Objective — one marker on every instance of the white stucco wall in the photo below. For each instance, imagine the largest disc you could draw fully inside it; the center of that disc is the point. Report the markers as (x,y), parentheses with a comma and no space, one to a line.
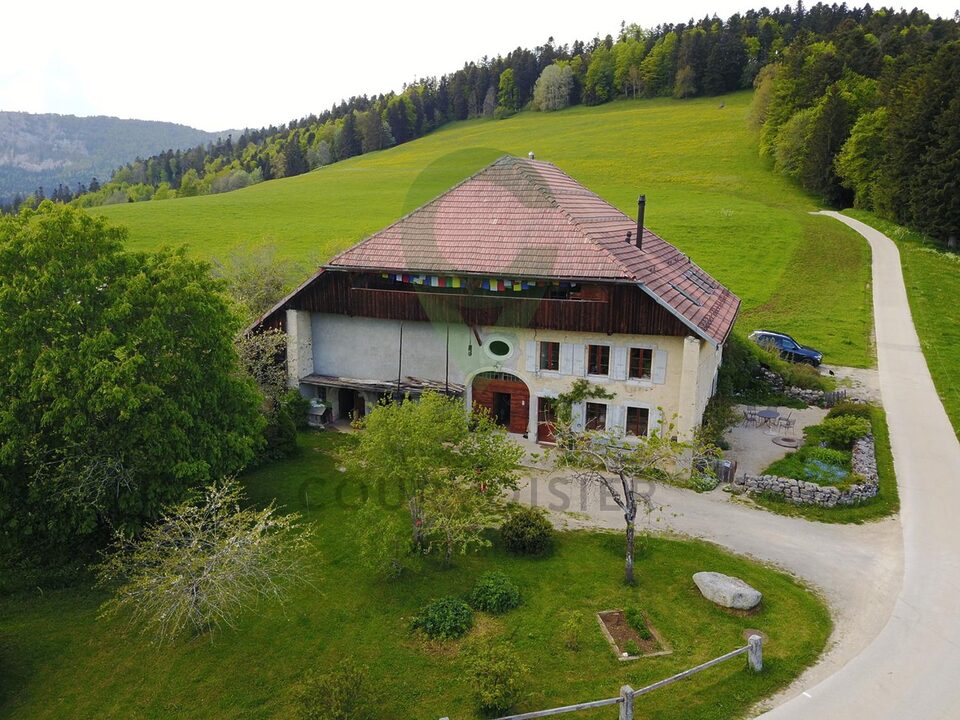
(368,348)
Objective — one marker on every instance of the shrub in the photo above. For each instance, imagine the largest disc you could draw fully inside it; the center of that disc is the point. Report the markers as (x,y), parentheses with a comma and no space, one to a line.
(632,648)
(638,622)
(494,593)
(572,631)
(843,430)
(859,410)
(446,618)
(343,693)
(527,531)
(496,675)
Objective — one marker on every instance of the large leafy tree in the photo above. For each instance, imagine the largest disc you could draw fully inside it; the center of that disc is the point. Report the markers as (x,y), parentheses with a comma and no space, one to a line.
(450,468)
(119,380)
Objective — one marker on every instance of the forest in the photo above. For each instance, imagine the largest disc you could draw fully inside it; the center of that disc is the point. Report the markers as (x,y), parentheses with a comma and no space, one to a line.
(860,106)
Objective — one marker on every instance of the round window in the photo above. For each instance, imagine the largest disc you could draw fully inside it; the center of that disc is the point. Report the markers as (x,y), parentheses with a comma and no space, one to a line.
(499,348)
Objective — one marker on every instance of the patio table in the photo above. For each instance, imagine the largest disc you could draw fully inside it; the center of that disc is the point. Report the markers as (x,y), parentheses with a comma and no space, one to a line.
(768,417)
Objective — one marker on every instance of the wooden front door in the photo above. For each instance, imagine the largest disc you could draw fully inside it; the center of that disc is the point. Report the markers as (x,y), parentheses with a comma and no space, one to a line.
(546,419)
(505,397)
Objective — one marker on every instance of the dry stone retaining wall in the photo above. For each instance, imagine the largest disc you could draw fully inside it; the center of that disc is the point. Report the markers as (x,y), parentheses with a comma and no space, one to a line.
(800,492)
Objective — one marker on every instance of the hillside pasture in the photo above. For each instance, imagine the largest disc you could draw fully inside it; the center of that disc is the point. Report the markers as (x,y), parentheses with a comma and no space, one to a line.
(696,160)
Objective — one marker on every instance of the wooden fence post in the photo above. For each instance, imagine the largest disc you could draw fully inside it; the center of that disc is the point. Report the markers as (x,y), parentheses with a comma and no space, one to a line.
(755,653)
(626,704)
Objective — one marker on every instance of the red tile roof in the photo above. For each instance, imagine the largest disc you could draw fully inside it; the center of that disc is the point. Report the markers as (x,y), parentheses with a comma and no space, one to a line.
(526,218)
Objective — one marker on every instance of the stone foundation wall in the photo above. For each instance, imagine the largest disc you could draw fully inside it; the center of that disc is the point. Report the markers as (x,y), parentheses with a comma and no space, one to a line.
(801,492)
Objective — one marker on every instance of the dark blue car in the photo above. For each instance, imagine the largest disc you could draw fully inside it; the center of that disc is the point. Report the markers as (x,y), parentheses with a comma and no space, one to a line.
(787,347)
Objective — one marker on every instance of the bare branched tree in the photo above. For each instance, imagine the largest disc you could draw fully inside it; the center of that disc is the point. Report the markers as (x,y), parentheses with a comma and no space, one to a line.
(204,562)
(625,467)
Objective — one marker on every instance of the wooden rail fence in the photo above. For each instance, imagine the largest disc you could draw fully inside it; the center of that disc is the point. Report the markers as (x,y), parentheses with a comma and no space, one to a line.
(753,650)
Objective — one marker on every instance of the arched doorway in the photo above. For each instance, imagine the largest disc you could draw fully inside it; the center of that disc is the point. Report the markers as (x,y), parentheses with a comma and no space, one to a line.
(505,396)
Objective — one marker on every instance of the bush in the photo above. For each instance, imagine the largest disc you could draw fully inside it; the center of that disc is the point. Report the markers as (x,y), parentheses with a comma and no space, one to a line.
(843,430)
(527,531)
(638,622)
(496,675)
(632,649)
(446,618)
(494,593)
(572,631)
(343,693)
(846,408)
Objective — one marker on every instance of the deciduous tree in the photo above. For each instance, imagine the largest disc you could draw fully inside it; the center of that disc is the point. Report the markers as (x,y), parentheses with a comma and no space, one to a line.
(120,384)
(206,561)
(450,468)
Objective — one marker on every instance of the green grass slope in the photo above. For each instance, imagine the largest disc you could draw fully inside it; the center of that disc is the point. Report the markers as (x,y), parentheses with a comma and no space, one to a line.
(696,160)
(60,661)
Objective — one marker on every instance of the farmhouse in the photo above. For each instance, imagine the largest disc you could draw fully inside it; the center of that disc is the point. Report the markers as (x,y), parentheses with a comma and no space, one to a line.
(504,290)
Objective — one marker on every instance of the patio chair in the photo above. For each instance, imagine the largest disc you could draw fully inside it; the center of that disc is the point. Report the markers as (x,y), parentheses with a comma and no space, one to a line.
(750,416)
(788,423)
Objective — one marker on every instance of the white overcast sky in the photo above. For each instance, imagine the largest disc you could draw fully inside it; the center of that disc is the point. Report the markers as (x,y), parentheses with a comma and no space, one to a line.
(217,65)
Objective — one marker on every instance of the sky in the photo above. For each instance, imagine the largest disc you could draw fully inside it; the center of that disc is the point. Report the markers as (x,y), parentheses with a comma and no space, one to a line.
(216,65)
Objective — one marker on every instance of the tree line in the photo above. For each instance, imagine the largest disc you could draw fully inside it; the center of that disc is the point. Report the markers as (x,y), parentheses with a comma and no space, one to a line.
(869,114)
(824,75)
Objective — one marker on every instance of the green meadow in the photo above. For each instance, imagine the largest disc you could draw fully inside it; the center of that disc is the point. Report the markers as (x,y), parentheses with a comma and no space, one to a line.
(708,193)
(60,661)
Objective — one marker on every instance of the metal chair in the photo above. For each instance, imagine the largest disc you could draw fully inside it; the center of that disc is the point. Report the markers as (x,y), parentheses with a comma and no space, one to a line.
(787,423)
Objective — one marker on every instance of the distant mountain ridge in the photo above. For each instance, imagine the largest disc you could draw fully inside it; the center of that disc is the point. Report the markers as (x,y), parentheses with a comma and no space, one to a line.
(45,150)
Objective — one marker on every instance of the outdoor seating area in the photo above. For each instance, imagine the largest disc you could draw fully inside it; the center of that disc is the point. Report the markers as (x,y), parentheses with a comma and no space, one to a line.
(767,433)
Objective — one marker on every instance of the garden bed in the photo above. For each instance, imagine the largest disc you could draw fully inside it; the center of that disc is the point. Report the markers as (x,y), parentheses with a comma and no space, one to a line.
(627,643)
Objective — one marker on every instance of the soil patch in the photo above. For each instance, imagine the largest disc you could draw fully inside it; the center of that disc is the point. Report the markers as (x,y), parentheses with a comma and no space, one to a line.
(623,638)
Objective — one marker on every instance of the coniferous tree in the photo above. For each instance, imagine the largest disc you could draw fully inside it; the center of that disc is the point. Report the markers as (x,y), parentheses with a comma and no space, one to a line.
(348,143)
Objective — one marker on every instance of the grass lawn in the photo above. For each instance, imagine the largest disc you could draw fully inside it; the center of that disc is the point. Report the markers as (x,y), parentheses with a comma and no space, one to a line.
(59,661)
(932,279)
(885,503)
(708,193)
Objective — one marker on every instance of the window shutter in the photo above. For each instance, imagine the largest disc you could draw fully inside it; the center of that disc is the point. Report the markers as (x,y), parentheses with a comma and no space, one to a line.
(619,370)
(531,355)
(659,371)
(653,422)
(579,351)
(616,417)
(577,414)
(566,358)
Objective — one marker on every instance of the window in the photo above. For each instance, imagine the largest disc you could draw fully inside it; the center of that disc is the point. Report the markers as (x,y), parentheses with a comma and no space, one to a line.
(549,356)
(638,421)
(596,416)
(641,362)
(598,359)
(499,348)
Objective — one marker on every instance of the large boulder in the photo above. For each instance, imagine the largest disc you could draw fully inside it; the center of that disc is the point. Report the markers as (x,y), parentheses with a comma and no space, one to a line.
(727,591)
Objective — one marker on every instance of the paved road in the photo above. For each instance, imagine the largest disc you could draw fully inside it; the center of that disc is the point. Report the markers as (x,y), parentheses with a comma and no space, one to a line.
(912,669)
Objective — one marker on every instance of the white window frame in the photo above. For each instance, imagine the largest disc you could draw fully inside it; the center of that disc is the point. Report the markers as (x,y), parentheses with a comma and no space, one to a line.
(586,360)
(545,371)
(652,419)
(641,382)
(490,339)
